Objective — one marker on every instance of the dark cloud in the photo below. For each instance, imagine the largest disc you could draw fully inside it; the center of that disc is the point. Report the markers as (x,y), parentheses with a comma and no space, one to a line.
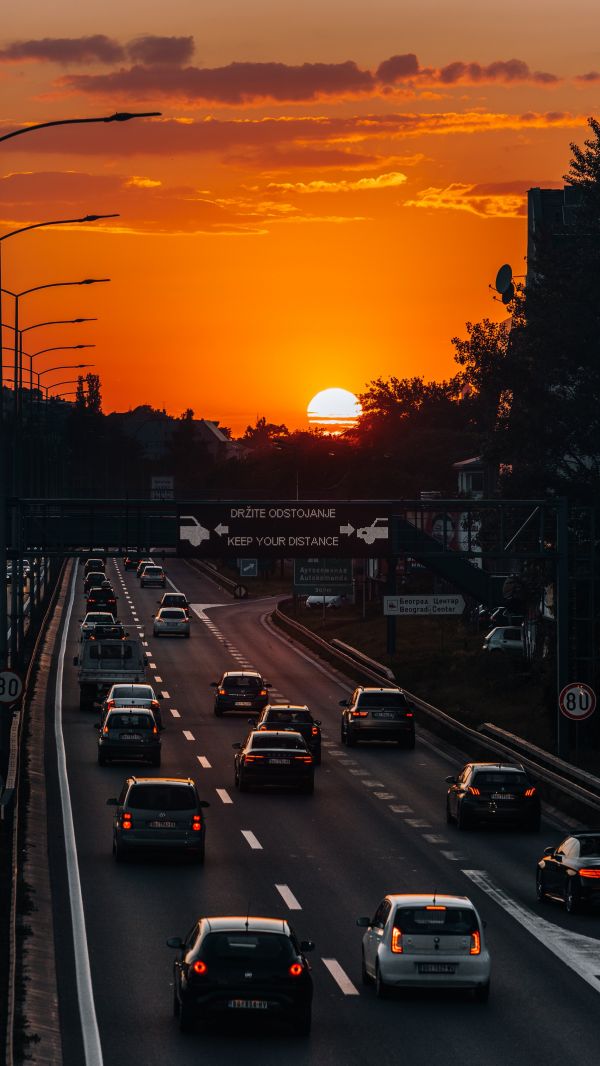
(510,70)
(591,77)
(398,68)
(64,50)
(157,50)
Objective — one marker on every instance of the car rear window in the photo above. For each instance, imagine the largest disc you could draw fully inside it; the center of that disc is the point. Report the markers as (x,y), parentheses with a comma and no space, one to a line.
(589,847)
(152,570)
(289,717)
(267,740)
(233,683)
(492,779)
(110,651)
(130,721)
(138,692)
(247,947)
(438,920)
(162,797)
(382,699)
(174,599)
(173,615)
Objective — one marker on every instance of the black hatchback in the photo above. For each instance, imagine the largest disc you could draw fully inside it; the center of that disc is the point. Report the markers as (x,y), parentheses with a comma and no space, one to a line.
(129,733)
(298,719)
(242,966)
(493,793)
(159,814)
(240,690)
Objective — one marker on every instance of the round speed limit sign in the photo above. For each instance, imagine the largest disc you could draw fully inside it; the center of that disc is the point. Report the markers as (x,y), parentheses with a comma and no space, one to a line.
(577,701)
(11,686)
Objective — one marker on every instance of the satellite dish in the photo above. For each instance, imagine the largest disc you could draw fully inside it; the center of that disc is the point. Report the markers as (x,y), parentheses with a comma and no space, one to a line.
(504,278)
(509,294)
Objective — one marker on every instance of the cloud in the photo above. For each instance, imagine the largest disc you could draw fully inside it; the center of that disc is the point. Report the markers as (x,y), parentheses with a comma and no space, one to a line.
(507,71)
(493,200)
(383,181)
(158,50)
(590,78)
(398,68)
(64,50)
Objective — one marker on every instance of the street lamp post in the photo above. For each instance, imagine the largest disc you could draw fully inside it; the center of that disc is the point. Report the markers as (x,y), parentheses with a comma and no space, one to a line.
(119,116)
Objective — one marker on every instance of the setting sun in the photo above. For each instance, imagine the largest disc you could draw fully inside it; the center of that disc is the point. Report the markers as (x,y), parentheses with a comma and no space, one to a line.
(334,410)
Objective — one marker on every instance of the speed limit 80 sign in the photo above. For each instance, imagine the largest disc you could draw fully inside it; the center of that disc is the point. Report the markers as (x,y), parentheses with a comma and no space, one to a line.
(577,701)
(11,686)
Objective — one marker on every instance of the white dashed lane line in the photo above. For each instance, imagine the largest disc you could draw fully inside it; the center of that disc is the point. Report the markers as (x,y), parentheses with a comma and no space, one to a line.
(372,784)
(175,713)
(156,677)
(252,840)
(153,666)
(418,823)
(148,653)
(453,856)
(401,808)
(341,977)
(288,897)
(204,763)
(165,695)
(433,838)
(223,795)
(188,735)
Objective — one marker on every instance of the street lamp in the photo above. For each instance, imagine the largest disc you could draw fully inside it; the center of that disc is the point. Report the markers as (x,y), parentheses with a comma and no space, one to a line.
(64,366)
(119,116)
(42,351)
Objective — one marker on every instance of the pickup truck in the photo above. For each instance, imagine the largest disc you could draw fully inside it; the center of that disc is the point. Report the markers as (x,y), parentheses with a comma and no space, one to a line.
(103,663)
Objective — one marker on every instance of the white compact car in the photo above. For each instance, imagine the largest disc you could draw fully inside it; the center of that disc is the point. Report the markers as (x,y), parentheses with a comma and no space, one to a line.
(171,622)
(152,575)
(505,639)
(425,941)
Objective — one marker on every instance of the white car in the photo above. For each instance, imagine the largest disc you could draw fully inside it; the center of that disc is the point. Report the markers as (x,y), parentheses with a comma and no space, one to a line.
(378,530)
(152,575)
(171,622)
(96,618)
(190,529)
(505,639)
(425,941)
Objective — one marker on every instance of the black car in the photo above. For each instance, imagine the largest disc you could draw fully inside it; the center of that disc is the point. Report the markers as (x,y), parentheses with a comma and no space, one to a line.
(94,563)
(248,966)
(129,733)
(240,690)
(269,759)
(493,793)
(94,579)
(378,714)
(131,561)
(101,600)
(107,631)
(298,719)
(175,599)
(570,873)
(159,814)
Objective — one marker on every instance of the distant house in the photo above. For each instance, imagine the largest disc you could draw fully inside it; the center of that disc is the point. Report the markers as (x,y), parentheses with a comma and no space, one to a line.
(153,430)
(476,478)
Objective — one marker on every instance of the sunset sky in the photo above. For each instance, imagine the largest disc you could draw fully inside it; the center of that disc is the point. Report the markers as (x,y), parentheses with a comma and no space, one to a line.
(328,194)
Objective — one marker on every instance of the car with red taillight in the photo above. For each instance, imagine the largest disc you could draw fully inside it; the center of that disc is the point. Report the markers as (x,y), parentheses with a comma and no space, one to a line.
(425,941)
(570,873)
(242,966)
(379,714)
(297,718)
(135,695)
(271,759)
(129,733)
(240,690)
(159,814)
(485,793)
(132,561)
(101,599)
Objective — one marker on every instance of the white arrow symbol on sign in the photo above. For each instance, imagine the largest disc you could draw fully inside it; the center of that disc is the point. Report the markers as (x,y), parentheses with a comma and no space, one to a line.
(348,530)
(221,529)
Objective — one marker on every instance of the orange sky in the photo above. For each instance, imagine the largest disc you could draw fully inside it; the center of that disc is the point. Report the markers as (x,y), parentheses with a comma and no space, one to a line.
(324,201)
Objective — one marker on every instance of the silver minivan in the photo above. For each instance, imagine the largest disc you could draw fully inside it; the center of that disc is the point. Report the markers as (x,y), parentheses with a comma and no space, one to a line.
(507,639)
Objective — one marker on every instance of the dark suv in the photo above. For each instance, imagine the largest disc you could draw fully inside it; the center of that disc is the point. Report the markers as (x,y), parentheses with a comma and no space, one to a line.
(485,792)
(129,733)
(159,813)
(378,714)
(131,561)
(240,690)
(288,716)
(101,599)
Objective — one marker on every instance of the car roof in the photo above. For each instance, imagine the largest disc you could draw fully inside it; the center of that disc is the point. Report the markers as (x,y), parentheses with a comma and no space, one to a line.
(160,780)
(241,673)
(504,766)
(285,707)
(374,688)
(421,899)
(287,733)
(248,923)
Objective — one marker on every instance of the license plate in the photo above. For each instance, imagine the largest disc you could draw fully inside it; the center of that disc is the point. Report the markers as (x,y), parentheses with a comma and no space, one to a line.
(437,967)
(279,762)
(248,1004)
(243,703)
(162,825)
(130,736)
(502,796)
(384,714)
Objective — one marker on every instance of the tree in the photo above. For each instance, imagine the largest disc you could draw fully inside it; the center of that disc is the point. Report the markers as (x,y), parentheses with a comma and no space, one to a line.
(264,433)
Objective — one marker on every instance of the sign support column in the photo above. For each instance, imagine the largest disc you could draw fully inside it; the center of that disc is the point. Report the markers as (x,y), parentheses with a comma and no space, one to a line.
(562,622)
(391,590)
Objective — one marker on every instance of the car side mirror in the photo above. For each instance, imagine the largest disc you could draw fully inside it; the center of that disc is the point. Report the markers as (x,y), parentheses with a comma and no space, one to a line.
(75,660)
(364,923)
(236,745)
(343,703)
(317,721)
(548,851)
(450,780)
(112,802)
(174,942)
(203,803)
(307,945)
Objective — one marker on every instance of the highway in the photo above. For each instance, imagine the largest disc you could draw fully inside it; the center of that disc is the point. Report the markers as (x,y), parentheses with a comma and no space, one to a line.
(375,824)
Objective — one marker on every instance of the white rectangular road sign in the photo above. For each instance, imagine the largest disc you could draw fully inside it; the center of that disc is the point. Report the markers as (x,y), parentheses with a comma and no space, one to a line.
(162,488)
(423,605)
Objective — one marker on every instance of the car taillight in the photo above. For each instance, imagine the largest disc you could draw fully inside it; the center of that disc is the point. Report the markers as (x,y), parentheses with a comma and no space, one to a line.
(199,966)
(530,792)
(589,873)
(475,948)
(253,758)
(155,729)
(154,704)
(303,758)
(105,730)
(359,714)
(315,731)
(397,941)
(109,704)
(295,969)
(126,820)
(222,692)
(409,714)
(473,791)
(263,692)
(196,823)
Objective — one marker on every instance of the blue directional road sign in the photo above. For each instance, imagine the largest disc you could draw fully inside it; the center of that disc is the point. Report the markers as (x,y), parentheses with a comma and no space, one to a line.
(248,567)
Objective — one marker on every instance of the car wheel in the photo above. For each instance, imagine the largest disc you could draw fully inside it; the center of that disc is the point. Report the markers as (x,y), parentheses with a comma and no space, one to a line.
(482,992)
(199,856)
(572,903)
(540,891)
(219,712)
(343,735)
(155,634)
(118,850)
(186,1018)
(242,784)
(449,818)
(102,760)
(381,989)
(350,740)
(176,1005)
(309,788)
(302,1022)
(365,976)
(187,636)
(155,760)
(463,820)
(317,758)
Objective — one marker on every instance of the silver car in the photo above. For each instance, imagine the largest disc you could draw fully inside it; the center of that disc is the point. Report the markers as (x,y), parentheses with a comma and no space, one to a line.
(171,622)
(132,695)
(425,941)
(152,575)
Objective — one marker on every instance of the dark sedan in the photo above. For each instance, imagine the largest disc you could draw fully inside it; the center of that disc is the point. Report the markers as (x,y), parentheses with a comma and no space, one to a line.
(296,718)
(493,793)
(101,600)
(240,690)
(270,759)
(131,561)
(247,966)
(570,873)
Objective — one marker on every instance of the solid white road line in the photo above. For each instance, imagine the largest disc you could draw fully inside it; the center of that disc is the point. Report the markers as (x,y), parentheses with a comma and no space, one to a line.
(223,795)
(175,713)
(580,953)
(253,842)
(92,1048)
(341,977)
(204,763)
(288,897)
(188,735)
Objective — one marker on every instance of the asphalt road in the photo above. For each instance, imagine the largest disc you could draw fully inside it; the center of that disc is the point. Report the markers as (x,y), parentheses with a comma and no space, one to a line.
(375,824)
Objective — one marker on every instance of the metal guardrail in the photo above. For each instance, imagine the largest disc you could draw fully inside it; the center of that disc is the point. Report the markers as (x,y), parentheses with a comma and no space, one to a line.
(212,573)
(539,762)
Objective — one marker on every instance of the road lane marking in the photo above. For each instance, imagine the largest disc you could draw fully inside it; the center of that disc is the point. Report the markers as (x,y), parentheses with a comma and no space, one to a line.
(223,795)
(360,773)
(92,1047)
(418,823)
(453,856)
(152,666)
(188,735)
(433,838)
(175,713)
(156,677)
(204,763)
(369,783)
(341,977)
(145,644)
(384,795)
(288,897)
(148,653)
(165,695)
(401,808)
(252,840)
(580,953)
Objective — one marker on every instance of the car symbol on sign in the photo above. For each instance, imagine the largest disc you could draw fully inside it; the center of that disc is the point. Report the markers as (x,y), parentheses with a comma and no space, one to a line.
(190,529)
(378,530)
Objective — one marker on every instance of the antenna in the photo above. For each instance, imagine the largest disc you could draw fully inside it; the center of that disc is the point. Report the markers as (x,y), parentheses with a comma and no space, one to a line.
(434,895)
(248,916)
